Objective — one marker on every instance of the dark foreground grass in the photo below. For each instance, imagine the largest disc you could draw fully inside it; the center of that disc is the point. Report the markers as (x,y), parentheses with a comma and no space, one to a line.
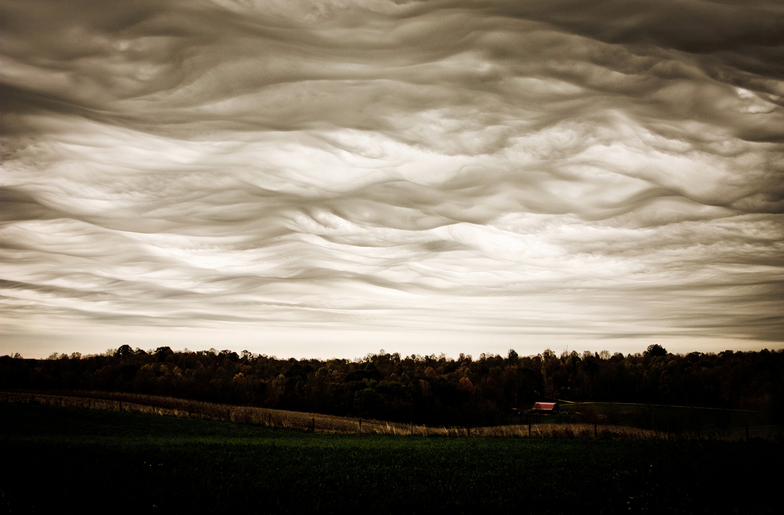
(58,460)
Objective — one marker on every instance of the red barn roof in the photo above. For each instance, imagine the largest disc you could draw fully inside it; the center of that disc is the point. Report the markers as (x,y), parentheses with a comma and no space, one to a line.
(544,406)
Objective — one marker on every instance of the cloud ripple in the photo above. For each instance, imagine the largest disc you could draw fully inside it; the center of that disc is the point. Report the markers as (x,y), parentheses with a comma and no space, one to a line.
(596,170)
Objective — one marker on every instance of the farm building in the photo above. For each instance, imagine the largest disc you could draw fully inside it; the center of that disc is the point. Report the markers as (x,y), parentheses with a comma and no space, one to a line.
(545,408)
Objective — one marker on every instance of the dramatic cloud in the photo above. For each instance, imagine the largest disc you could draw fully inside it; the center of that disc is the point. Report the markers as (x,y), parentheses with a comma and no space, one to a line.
(328,178)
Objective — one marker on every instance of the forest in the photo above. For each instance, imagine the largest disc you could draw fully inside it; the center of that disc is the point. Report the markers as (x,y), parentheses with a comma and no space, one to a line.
(423,389)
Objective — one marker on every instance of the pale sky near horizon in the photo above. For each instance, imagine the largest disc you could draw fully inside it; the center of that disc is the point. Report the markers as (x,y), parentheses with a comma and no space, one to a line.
(306,178)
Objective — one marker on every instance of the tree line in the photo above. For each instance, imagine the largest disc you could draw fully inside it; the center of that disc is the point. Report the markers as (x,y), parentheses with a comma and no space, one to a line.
(423,389)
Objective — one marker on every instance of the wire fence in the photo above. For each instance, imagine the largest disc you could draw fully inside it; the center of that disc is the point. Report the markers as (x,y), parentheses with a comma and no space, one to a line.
(529,427)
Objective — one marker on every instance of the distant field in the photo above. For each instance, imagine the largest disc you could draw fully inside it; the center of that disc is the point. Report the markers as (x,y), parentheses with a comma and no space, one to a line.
(69,459)
(602,420)
(682,420)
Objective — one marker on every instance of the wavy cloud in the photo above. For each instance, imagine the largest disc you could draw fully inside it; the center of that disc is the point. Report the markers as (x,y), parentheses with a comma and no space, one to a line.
(445,176)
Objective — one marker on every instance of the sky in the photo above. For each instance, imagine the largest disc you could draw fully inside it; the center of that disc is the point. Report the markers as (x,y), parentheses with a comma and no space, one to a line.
(318,179)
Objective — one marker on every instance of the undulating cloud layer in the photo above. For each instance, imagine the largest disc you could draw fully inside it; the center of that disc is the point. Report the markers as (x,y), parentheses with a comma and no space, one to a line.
(427,172)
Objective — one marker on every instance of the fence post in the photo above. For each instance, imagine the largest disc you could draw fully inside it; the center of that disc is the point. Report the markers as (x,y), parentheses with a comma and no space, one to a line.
(360,425)
(594,431)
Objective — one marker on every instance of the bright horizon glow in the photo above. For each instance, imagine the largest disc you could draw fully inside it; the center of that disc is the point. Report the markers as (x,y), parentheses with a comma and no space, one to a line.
(356,344)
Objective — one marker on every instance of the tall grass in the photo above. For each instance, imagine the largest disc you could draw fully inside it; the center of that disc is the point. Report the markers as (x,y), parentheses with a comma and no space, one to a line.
(170,406)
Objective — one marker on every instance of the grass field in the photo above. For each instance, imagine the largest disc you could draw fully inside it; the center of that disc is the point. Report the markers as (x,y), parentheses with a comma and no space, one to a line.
(685,421)
(576,420)
(70,459)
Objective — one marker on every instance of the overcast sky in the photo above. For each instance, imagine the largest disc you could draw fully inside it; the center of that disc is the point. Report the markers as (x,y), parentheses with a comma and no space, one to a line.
(307,178)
